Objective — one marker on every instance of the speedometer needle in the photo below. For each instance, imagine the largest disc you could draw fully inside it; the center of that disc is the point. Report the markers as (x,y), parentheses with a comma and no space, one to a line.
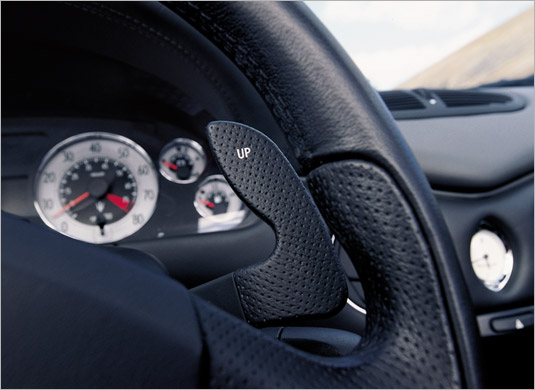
(120,202)
(71,204)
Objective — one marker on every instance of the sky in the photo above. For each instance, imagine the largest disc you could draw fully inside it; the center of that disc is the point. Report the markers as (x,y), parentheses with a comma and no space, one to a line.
(391,41)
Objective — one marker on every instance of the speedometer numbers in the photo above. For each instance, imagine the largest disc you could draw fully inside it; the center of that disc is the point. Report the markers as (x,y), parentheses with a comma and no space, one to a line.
(96,187)
(105,181)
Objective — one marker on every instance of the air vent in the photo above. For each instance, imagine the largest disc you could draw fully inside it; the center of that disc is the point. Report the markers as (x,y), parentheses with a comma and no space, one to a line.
(434,103)
(400,100)
(470,98)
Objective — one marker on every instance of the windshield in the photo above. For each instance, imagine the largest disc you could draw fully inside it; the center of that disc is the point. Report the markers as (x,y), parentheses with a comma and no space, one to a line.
(438,44)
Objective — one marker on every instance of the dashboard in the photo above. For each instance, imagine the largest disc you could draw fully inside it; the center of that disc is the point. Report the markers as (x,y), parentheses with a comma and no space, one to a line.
(117,182)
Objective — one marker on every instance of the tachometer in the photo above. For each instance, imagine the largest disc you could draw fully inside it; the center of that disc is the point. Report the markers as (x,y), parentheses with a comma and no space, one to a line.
(96,187)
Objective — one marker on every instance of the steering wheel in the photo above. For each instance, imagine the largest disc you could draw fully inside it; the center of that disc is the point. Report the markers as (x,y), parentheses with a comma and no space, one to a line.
(74,315)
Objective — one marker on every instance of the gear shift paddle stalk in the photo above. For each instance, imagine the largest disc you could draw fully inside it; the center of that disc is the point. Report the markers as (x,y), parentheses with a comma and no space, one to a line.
(303,277)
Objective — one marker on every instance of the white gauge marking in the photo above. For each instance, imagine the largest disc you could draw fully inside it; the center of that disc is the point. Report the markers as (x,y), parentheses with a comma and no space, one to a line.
(182,161)
(215,198)
(491,258)
(93,209)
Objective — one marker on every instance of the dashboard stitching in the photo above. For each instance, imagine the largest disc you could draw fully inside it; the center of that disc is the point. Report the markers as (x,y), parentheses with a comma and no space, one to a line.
(150,32)
(253,70)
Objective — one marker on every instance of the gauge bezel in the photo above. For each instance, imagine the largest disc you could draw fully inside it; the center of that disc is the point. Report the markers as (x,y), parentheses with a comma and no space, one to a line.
(182,141)
(93,135)
(495,285)
(200,208)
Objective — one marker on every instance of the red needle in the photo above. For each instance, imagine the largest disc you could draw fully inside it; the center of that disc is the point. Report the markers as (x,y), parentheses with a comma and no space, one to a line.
(72,203)
(206,203)
(170,165)
(120,202)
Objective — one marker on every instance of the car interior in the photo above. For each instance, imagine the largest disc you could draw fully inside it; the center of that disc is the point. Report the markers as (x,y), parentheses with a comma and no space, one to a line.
(211,194)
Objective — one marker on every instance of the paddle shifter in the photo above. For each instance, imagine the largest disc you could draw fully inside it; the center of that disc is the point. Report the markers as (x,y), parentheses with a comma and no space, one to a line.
(303,277)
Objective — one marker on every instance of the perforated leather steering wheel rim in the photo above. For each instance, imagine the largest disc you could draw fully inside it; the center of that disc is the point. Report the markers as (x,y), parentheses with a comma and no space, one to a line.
(367,185)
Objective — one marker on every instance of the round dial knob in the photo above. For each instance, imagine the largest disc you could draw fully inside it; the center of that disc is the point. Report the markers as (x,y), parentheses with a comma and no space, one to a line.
(492,259)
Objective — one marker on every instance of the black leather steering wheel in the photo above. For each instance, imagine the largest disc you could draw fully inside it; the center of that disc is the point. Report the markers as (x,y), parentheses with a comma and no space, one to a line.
(80,316)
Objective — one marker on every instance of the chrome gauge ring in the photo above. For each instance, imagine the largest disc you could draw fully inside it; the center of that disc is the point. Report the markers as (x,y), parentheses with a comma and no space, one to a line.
(96,187)
(182,161)
(215,198)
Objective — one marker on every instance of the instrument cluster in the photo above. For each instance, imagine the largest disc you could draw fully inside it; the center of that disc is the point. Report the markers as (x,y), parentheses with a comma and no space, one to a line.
(101,187)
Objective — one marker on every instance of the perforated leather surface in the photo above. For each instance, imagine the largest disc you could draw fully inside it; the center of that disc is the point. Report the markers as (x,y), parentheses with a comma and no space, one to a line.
(408,342)
(302,277)
(381,234)
(329,112)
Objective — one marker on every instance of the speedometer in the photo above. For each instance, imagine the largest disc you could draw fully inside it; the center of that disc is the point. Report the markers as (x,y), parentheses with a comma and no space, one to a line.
(96,187)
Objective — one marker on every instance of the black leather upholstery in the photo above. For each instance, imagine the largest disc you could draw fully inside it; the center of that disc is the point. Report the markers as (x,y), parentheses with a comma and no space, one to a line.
(303,276)
(346,140)
(408,342)
(329,113)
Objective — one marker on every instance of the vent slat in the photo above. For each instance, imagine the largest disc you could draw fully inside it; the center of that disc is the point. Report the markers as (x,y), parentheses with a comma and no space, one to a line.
(470,98)
(431,103)
(400,100)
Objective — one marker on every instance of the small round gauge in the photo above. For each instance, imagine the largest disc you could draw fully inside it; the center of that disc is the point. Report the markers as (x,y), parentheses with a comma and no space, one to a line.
(96,187)
(214,197)
(492,259)
(182,161)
